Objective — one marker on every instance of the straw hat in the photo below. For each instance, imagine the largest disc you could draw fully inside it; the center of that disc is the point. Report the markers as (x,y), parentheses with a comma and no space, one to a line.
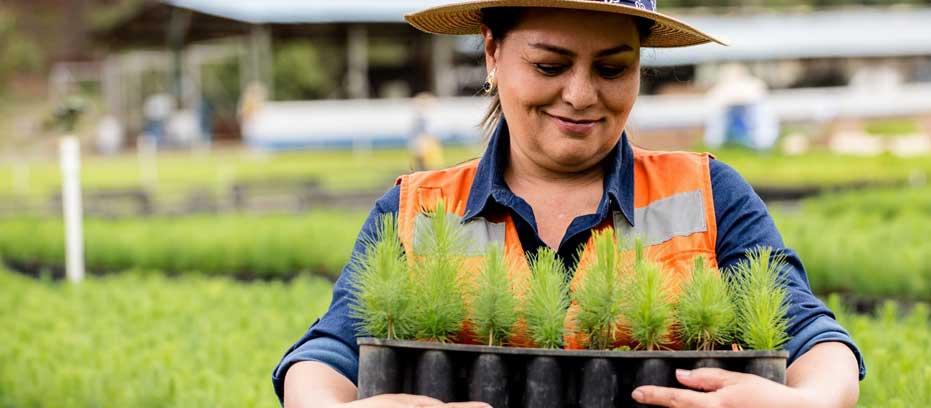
(465,18)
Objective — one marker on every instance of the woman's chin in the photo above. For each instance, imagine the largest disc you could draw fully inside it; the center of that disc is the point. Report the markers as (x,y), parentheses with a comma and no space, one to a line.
(574,160)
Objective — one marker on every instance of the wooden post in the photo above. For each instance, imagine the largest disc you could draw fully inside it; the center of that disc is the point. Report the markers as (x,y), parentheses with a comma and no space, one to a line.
(358,62)
(444,76)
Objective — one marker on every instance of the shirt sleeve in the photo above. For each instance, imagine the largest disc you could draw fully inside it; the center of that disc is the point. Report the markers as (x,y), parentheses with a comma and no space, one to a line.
(744,223)
(332,338)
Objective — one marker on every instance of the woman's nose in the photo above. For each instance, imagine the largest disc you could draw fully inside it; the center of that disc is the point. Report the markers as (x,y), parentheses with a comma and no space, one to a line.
(580,90)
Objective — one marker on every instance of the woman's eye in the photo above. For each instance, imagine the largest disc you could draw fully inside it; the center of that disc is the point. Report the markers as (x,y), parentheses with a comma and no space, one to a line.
(550,69)
(611,72)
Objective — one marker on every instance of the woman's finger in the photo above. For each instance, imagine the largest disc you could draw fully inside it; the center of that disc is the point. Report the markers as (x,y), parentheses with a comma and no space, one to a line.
(707,379)
(410,400)
(465,405)
(671,397)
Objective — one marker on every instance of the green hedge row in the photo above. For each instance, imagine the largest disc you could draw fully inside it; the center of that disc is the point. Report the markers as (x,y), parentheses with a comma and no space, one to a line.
(871,243)
(344,170)
(238,245)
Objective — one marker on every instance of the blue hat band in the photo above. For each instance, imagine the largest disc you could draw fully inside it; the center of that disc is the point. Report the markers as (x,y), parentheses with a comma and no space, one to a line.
(648,5)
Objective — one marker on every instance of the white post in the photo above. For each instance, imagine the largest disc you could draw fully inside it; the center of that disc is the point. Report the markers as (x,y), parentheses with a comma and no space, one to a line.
(147,156)
(70,152)
(20,177)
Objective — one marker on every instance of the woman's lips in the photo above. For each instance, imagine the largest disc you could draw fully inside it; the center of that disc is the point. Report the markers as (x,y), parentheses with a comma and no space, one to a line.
(574,126)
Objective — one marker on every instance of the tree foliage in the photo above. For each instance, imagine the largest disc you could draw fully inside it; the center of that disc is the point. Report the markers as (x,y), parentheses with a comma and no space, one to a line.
(547,300)
(762,300)
(705,312)
(382,287)
(493,311)
(600,293)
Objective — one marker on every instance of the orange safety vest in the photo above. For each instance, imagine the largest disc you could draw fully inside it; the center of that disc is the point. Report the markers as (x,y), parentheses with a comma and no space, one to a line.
(673,213)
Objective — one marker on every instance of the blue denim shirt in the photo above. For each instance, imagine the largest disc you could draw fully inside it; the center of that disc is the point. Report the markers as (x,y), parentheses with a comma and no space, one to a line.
(742,219)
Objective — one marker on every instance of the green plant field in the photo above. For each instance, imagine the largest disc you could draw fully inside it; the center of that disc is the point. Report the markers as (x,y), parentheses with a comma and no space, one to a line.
(340,170)
(872,243)
(823,169)
(337,170)
(897,349)
(143,340)
(235,245)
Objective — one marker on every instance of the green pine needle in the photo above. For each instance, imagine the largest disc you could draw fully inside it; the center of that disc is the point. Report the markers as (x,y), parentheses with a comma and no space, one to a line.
(762,300)
(600,293)
(705,311)
(548,300)
(493,311)
(648,308)
(438,296)
(382,287)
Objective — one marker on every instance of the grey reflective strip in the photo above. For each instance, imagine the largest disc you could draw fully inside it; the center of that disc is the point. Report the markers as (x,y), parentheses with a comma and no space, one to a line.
(676,216)
(477,233)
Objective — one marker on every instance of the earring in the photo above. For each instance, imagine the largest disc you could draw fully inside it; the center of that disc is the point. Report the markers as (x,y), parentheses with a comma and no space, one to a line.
(491,84)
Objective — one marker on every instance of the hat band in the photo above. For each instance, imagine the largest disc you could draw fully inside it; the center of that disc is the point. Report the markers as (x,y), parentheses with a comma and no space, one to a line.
(648,5)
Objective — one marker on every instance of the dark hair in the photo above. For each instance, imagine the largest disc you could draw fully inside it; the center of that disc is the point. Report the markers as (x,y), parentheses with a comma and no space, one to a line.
(501,20)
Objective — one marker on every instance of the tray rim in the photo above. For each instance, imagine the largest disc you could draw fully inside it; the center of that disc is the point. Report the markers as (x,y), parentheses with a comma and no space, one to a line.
(480,349)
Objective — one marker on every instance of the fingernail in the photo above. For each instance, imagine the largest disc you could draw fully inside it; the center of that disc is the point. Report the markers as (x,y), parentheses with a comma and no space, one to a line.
(683,373)
(638,395)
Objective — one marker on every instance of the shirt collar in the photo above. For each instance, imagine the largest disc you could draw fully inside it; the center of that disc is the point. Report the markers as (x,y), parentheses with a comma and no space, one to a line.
(489,187)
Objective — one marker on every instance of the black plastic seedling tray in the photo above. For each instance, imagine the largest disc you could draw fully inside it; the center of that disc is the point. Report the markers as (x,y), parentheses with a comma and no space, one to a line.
(508,377)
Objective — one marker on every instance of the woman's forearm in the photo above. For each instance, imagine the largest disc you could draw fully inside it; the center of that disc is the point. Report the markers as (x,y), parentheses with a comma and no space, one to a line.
(313,384)
(828,373)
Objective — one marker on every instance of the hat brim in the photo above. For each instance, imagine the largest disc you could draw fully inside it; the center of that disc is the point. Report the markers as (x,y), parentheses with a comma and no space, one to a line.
(466,18)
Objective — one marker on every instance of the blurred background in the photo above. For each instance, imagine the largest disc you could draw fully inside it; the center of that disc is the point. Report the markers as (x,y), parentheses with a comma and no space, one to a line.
(230,151)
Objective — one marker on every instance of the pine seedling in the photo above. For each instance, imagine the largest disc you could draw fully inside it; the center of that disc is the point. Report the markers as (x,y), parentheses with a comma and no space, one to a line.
(705,312)
(438,297)
(600,293)
(382,286)
(547,300)
(493,311)
(761,299)
(648,307)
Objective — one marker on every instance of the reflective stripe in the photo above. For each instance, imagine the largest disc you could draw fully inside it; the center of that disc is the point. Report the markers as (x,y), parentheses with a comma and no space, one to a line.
(679,215)
(477,233)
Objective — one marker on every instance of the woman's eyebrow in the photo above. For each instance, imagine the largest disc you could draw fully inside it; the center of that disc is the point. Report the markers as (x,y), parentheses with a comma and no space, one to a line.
(570,53)
(616,50)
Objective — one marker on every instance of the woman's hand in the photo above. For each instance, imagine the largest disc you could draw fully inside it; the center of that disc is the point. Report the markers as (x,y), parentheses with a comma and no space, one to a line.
(824,377)
(408,401)
(714,387)
(313,384)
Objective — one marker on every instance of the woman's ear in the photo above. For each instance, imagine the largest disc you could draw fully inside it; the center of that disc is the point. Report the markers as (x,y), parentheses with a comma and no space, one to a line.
(491,48)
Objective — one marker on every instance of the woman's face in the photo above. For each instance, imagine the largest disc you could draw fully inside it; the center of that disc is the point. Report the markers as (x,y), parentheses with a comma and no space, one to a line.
(567,82)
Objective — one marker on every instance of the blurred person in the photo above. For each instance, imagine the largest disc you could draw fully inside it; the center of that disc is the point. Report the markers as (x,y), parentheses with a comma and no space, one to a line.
(425,149)
(109,135)
(740,115)
(156,110)
(253,99)
(564,76)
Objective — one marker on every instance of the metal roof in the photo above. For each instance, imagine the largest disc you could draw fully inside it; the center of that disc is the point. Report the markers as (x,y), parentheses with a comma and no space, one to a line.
(308,11)
(824,34)
(867,32)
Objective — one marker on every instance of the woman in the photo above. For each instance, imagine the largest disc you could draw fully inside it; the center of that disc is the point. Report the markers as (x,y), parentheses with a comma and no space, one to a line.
(558,165)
